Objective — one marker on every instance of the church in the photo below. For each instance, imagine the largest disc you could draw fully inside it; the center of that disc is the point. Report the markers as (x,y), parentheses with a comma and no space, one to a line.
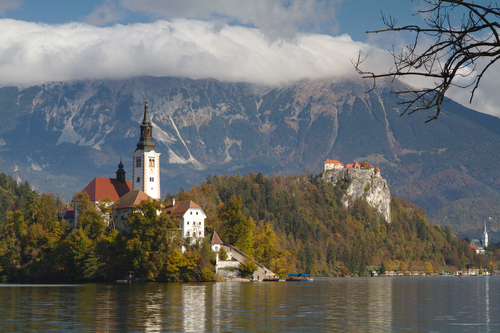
(479,245)
(123,194)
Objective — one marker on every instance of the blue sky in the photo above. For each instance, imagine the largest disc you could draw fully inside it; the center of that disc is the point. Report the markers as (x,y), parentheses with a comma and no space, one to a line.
(259,41)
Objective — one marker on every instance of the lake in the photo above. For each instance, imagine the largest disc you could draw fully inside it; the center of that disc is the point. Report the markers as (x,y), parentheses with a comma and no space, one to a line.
(437,304)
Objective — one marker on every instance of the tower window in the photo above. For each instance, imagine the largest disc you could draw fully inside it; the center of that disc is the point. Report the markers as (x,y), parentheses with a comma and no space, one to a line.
(138,179)
(152,179)
(188,223)
(152,162)
(138,163)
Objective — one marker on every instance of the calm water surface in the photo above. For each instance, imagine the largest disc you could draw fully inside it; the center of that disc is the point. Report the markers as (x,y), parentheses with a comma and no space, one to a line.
(417,304)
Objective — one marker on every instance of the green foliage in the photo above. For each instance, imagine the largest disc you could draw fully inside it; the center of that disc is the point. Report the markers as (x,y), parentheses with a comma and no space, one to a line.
(237,229)
(247,268)
(223,254)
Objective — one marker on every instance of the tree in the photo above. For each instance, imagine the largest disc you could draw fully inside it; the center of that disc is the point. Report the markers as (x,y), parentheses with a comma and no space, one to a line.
(238,229)
(464,33)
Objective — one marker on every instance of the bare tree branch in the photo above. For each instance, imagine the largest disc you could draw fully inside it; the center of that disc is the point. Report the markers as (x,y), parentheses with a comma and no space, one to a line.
(464,32)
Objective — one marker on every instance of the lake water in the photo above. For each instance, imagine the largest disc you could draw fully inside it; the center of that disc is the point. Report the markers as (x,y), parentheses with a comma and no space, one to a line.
(426,304)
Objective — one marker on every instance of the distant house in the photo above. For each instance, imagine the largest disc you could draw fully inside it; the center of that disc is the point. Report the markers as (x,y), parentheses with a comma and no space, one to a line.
(101,188)
(191,218)
(68,215)
(333,165)
(124,206)
(216,242)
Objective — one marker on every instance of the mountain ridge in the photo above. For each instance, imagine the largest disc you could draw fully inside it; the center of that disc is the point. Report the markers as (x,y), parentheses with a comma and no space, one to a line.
(60,135)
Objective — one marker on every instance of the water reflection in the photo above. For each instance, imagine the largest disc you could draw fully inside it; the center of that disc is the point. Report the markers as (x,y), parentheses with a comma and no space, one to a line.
(193,306)
(380,304)
(326,305)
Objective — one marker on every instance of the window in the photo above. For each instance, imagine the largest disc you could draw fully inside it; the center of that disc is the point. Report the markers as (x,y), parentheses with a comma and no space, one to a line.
(138,179)
(151,162)
(199,223)
(188,223)
(152,179)
(196,213)
(200,233)
(138,163)
(191,213)
(194,234)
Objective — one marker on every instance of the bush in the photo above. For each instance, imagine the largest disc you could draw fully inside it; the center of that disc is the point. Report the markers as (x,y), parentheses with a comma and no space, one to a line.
(223,254)
(247,268)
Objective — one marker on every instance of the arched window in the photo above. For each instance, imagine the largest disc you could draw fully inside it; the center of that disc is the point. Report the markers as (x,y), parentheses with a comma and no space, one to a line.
(138,179)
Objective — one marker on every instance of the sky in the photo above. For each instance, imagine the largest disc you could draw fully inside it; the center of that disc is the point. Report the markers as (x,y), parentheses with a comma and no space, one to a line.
(259,41)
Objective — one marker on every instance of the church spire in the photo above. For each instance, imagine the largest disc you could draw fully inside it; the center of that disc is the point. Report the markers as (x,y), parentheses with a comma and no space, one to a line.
(146,141)
(120,173)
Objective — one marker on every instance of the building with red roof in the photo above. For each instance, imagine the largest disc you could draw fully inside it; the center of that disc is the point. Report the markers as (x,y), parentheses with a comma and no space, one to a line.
(191,218)
(332,165)
(124,206)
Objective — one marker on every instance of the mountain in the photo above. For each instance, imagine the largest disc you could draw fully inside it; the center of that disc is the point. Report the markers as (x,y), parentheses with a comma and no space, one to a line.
(59,135)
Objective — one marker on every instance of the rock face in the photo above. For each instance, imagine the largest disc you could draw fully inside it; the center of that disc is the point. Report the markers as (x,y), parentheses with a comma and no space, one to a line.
(366,184)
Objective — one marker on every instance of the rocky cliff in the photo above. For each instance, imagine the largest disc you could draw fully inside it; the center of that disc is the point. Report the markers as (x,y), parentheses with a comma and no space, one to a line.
(366,184)
(60,135)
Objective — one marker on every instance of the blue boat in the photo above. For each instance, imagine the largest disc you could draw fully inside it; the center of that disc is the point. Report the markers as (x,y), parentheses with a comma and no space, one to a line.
(298,277)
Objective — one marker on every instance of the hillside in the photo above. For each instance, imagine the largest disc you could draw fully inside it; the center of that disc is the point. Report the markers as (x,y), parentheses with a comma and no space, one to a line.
(60,135)
(324,237)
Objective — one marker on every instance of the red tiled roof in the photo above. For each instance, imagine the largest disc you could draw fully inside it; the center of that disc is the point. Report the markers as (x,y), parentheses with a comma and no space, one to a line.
(348,166)
(216,239)
(377,169)
(180,208)
(100,188)
(332,162)
(131,199)
(67,213)
(356,165)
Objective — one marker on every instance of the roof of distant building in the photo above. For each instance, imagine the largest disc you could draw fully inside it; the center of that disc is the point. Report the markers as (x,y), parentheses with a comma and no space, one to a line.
(180,208)
(477,243)
(68,213)
(131,199)
(216,239)
(100,188)
(333,162)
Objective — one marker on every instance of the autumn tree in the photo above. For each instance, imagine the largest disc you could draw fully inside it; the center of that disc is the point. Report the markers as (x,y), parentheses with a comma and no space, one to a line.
(237,228)
(465,42)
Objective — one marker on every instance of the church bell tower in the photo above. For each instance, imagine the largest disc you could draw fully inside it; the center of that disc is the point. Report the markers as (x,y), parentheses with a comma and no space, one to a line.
(146,160)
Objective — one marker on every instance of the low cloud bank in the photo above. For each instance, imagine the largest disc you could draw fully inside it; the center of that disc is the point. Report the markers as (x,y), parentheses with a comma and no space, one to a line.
(36,52)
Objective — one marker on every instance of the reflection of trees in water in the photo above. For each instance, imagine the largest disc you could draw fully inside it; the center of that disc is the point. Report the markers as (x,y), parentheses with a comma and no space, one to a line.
(153,318)
(380,303)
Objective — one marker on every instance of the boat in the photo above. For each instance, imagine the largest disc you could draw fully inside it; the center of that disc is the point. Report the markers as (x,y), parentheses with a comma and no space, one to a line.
(271,278)
(298,277)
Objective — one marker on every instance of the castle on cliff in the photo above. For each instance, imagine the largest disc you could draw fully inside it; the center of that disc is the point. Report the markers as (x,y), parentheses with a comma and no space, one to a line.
(365,182)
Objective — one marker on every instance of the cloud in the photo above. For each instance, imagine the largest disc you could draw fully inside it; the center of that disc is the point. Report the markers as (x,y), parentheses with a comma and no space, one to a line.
(106,13)
(277,19)
(34,52)
(9,4)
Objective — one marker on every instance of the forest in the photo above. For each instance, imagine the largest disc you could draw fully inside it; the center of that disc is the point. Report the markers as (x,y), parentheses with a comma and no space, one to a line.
(287,223)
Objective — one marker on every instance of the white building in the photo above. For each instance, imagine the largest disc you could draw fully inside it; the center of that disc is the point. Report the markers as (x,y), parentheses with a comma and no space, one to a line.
(146,160)
(333,165)
(191,218)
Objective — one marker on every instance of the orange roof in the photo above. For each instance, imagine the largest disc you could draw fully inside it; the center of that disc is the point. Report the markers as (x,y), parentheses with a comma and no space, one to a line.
(356,165)
(100,188)
(216,239)
(348,166)
(180,208)
(377,169)
(67,213)
(332,162)
(131,199)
